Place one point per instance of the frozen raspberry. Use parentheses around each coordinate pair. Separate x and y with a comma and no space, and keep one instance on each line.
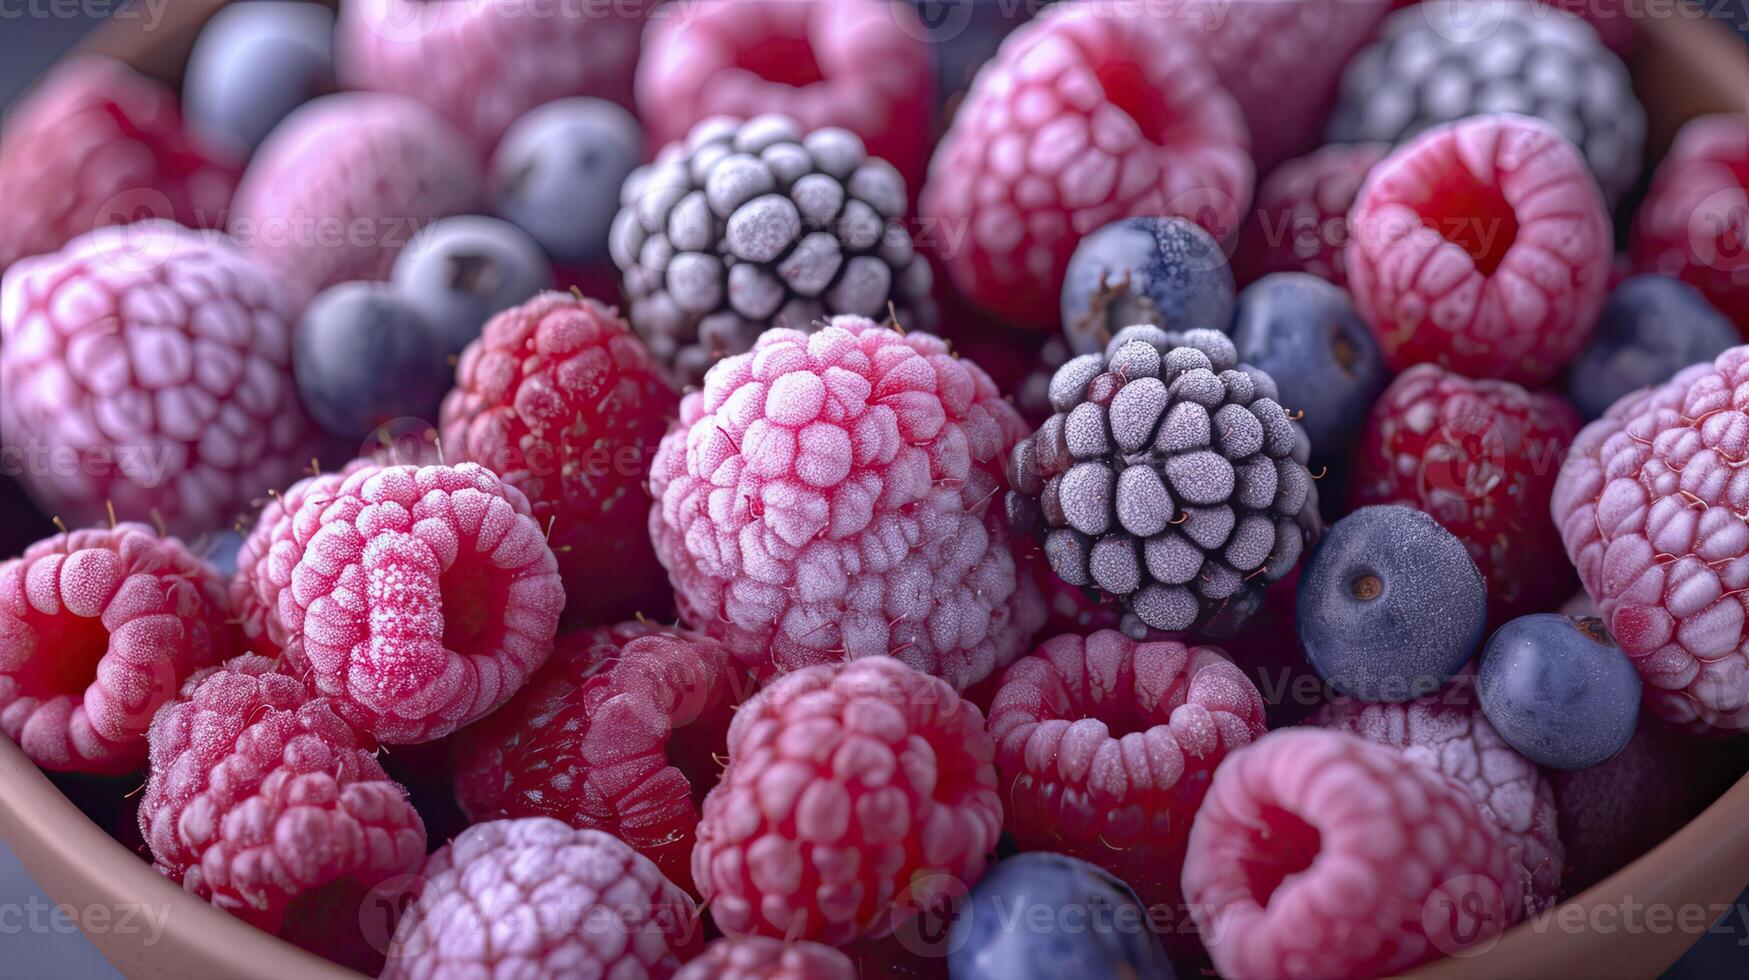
(1482,246)
(420,598)
(97,629)
(1318,854)
(1481,457)
(1087,115)
(268,805)
(765,958)
(1300,222)
(1448,732)
(344,183)
(862,65)
(149,367)
(1694,222)
(1105,747)
(855,793)
(562,401)
(837,495)
(535,898)
(94,144)
(1648,507)
(483,63)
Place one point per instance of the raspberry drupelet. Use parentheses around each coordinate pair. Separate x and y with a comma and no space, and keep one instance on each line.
(1694,222)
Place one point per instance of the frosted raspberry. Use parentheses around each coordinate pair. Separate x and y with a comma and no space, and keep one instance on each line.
(765,958)
(1105,748)
(1088,114)
(620,731)
(149,367)
(94,144)
(535,898)
(1648,506)
(1317,854)
(97,629)
(855,793)
(483,63)
(1482,246)
(838,495)
(857,64)
(1694,222)
(1448,733)
(268,805)
(344,183)
(561,400)
(265,560)
(1300,222)
(420,598)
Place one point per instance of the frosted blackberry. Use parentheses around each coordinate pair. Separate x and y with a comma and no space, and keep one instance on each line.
(1170,480)
(746,226)
(1441,61)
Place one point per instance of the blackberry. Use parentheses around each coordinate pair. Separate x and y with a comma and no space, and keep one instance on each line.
(750,225)
(1170,479)
(1443,60)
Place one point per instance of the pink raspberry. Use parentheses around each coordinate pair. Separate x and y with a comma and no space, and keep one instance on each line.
(535,898)
(1088,114)
(1318,854)
(149,368)
(265,561)
(1648,507)
(854,793)
(837,495)
(858,64)
(1694,222)
(267,804)
(97,629)
(1482,246)
(1105,748)
(561,399)
(765,958)
(343,184)
(94,144)
(420,598)
(1300,222)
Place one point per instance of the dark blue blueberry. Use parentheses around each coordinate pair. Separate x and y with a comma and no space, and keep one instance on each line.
(1163,271)
(556,174)
(252,65)
(460,271)
(1390,605)
(363,356)
(1052,917)
(1559,690)
(965,34)
(1651,327)
(1304,333)
(219,549)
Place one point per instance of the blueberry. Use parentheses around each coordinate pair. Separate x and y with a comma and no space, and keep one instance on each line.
(363,355)
(1304,333)
(1559,690)
(252,65)
(1651,327)
(557,172)
(1163,271)
(1053,917)
(1390,605)
(460,271)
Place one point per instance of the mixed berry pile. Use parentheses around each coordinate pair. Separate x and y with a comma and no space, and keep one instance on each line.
(815,489)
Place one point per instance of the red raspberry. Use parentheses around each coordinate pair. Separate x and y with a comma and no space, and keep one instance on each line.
(560,398)
(1694,223)
(149,368)
(265,561)
(765,958)
(1482,246)
(1300,223)
(1088,114)
(1321,855)
(854,793)
(420,598)
(858,64)
(97,629)
(1649,509)
(94,144)
(267,804)
(535,898)
(837,495)
(1481,457)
